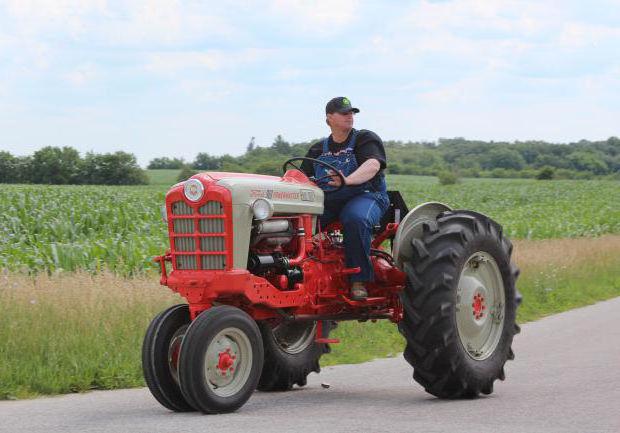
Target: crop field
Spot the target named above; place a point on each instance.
(51, 228)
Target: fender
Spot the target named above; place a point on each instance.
(411, 227)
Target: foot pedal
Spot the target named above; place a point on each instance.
(327, 340)
(368, 301)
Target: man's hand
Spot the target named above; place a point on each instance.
(335, 179)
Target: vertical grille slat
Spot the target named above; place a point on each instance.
(212, 244)
(212, 225)
(212, 208)
(184, 244)
(214, 262)
(181, 208)
(186, 262)
(183, 226)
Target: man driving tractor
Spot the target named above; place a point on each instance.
(359, 155)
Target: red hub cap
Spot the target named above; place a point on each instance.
(478, 306)
(226, 362)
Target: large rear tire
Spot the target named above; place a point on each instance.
(221, 360)
(460, 305)
(160, 355)
(290, 354)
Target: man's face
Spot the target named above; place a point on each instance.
(341, 120)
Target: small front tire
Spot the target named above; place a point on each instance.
(160, 354)
(221, 360)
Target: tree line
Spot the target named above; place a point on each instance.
(61, 166)
(466, 158)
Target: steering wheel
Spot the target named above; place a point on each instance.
(337, 173)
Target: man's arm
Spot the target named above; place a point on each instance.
(364, 173)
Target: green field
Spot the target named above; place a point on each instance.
(53, 228)
(162, 177)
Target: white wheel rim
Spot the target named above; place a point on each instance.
(174, 350)
(228, 362)
(294, 337)
(480, 306)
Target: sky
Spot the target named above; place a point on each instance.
(174, 78)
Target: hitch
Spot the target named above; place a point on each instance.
(162, 265)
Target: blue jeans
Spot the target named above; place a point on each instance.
(358, 212)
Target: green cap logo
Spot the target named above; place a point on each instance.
(345, 101)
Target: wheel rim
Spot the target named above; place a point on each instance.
(480, 306)
(228, 362)
(174, 349)
(294, 337)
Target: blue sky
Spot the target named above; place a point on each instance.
(174, 78)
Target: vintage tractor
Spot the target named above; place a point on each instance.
(265, 285)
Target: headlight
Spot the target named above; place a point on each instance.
(193, 189)
(262, 209)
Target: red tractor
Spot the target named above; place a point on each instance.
(265, 285)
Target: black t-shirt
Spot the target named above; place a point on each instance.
(368, 145)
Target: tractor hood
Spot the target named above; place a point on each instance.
(292, 193)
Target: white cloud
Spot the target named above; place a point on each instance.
(320, 16)
(82, 75)
(167, 63)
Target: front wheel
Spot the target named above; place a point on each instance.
(221, 360)
(460, 305)
(160, 356)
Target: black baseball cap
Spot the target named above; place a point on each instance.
(340, 104)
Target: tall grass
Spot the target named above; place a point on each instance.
(72, 332)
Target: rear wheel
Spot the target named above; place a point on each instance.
(221, 360)
(290, 354)
(460, 305)
(160, 356)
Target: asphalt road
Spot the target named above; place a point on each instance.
(565, 378)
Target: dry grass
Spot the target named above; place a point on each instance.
(564, 252)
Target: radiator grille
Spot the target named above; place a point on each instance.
(212, 244)
(214, 262)
(212, 208)
(209, 251)
(181, 208)
(186, 262)
(212, 225)
(183, 226)
(184, 244)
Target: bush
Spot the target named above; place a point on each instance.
(448, 178)
(545, 173)
(186, 172)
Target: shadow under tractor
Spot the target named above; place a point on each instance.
(265, 285)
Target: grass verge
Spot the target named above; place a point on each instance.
(75, 332)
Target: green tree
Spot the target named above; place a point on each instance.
(53, 165)
(166, 163)
(204, 161)
(119, 168)
(502, 157)
(186, 172)
(588, 161)
(8, 168)
(281, 146)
